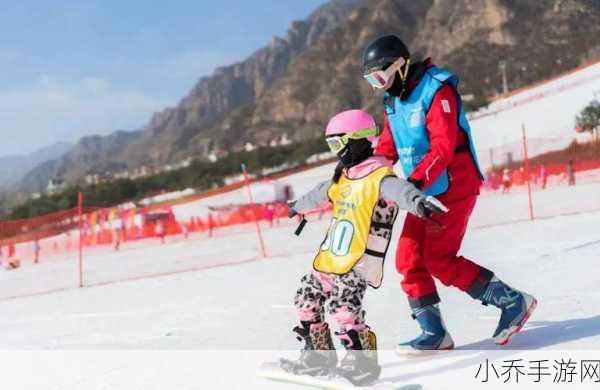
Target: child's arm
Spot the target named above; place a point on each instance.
(410, 198)
(311, 200)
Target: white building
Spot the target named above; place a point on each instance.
(55, 186)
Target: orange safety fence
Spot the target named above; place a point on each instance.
(20, 230)
(543, 175)
(58, 233)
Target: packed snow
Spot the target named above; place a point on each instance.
(213, 301)
(204, 312)
(546, 110)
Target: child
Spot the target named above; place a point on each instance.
(366, 196)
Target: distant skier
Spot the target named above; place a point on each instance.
(492, 180)
(12, 262)
(543, 176)
(426, 130)
(185, 230)
(159, 231)
(117, 232)
(571, 173)
(211, 225)
(365, 195)
(506, 181)
(36, 251)
(269, 214)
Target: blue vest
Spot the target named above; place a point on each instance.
(407, 123)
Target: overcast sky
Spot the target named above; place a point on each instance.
(70, 68)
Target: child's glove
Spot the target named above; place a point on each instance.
(427, 206)
(291, 212)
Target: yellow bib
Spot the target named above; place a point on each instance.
(353, 203)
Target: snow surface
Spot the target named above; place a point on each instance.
(218, 302)
(204, 313)
(547, 111)
(300, 182)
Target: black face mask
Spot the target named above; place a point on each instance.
(357, 151)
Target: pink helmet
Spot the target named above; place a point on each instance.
(348, 122)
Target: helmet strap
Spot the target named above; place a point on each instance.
(404, 77)
(404, 74)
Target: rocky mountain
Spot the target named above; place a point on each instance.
(90, 154)
(14, 168)
(536, 39)
(296, 83)
(167, 135)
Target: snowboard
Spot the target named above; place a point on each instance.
(273, 371)
(414, 353)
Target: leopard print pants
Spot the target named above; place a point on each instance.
(340, 296)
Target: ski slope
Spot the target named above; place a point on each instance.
(300, 182)
(219, 310)
(204, 313)
(547, 111)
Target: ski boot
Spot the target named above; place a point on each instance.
(360, 366)
(516, 308)
(434, 336)
(318, 355)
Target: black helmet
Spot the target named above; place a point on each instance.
(382, 52)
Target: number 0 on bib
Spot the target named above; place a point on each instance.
(354, 201)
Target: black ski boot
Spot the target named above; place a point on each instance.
(359, 366)
(318, 355)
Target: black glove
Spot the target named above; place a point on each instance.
(428, 206)
(291, 212)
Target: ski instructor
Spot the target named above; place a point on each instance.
(426, 130)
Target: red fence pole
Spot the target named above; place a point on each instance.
(80, 214)
(258, 231)
(527, 172)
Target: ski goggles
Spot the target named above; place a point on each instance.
(338, 142)
(379, 78)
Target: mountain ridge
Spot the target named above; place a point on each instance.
(14, 167)
(228, 88)
(297, 82)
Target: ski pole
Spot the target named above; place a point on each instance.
(300, 226)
